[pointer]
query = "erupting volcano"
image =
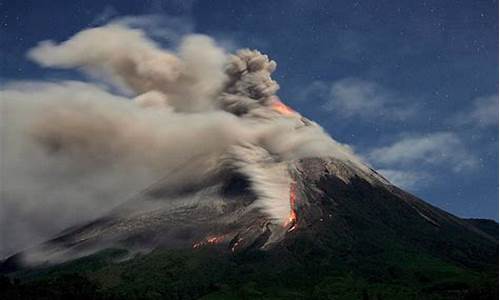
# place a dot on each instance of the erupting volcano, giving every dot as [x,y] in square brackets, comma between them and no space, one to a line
[239,175]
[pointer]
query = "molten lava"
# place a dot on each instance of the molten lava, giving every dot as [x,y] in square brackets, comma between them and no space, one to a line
[210,240]
[280,107]
[291,221]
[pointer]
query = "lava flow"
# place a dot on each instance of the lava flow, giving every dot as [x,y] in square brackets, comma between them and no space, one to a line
[291,221]
[210,240]
[280,107]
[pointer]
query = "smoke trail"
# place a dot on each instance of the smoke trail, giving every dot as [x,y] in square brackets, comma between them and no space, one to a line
[189,80]
[269,179]
[74,150]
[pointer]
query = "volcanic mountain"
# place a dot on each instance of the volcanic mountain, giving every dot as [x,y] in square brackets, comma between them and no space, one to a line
[344,218]
[331,199]
[266,224]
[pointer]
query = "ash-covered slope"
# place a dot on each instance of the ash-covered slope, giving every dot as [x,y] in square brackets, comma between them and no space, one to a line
[338,207]
[369,217]
[354,235]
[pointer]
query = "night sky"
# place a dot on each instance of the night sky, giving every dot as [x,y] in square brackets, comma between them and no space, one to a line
[412,86]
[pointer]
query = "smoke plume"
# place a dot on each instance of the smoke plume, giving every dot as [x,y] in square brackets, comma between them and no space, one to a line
[73,150]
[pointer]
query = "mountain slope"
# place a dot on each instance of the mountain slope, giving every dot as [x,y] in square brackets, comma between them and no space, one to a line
[355,235]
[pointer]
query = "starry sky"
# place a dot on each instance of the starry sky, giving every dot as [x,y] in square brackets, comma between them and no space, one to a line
[411,86]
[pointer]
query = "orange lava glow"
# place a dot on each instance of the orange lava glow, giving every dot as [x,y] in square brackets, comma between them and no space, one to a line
[280,107]
[210,240]
[291,221]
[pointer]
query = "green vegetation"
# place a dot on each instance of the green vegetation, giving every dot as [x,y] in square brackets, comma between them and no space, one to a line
[209,274]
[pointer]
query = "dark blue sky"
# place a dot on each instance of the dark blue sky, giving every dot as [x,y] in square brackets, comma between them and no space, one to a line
[412,86]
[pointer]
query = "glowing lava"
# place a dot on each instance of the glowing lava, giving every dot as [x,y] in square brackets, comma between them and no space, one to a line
[291,221]
[280,107]
[210,240]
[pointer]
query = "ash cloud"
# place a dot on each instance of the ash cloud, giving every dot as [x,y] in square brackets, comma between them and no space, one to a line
[73,150]
[127,58]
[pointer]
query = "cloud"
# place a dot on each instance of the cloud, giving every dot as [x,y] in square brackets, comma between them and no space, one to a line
[440,148]
[162,27]
[71,151]
[406,179]
[316,90]
[484,113]
[358,98]
[107,13]
[354,97]
[132,61]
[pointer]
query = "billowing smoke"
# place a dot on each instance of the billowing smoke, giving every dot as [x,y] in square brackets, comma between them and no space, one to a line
[73,150]
[189,80]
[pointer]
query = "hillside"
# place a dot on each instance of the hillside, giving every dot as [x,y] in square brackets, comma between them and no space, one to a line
[357,237]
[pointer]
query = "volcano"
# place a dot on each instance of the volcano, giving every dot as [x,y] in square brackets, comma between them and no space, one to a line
[344,218]
[328,197]
[266,224]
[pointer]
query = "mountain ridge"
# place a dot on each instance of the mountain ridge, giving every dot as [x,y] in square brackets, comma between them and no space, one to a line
[347,220]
